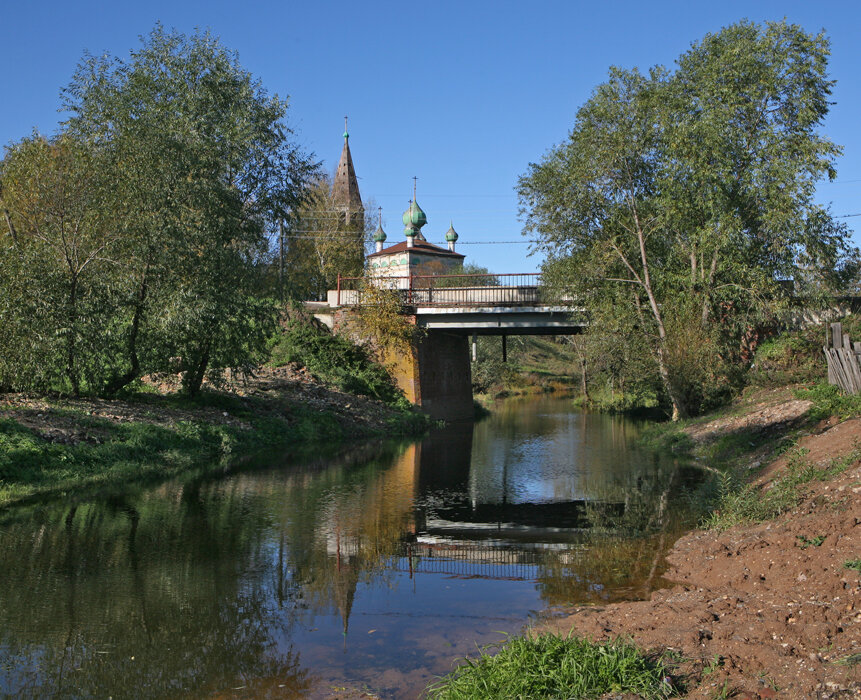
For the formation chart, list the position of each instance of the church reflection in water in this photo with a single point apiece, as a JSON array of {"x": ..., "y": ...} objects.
[{"x": 251, "y": 579}]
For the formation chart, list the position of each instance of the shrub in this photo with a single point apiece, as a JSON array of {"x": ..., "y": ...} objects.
[{"x": 333, "y": 360}]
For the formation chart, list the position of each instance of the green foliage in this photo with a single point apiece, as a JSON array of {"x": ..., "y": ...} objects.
[
  {"x": 549, "y": 666},
  {"x": 322, "y": 245},
  {"x": 681, "y": 200},
  {"x": 381, "y": 317},
  {"x": 854, "y": 564},
  {"x": 489, "y": 372},
  {"x": 335, "y": 360},
  {"x": 56, "y": 290},
  {"x": 829, "y": 401},
  {"x": 740, "y": 504},
  {"x": 805, "y": 542},
  {"x": 789, "y": 358},
  {"x": 480, "y": 276},
  {"x": 140, "y": 234}
]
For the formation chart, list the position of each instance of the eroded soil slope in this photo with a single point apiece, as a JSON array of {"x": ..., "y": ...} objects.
[{"x": 766, "y": 610}]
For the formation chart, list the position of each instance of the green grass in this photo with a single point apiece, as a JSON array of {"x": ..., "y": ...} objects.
[
  {"x": 741, "y": 504},
  {"x": 853, "y": 564},
  {"x": 549, "y": 666},
  {"x": 829, "y": 401},
  {"x": 125, "y": 452}
]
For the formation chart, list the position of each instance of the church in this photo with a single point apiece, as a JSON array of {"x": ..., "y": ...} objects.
[{"x": 413, "y": 256}]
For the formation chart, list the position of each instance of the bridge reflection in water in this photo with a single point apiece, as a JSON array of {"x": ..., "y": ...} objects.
[
  {"x": 347, "y": 565},
  {"x": 478, "y": 560},
  {"x": 486, "y": 504}
]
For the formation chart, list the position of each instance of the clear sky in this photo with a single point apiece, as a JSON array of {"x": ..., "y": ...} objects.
[{"x": 463, "y": 95}]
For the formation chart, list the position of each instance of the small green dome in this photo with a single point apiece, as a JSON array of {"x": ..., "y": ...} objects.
[
  {"x": 410, "y": 230},
  {"x": 379, "y": 235},
  {"x": 451, "y": 234},
  {"x": 346, "y": 135},
  {"x": 415, "y": 216}
]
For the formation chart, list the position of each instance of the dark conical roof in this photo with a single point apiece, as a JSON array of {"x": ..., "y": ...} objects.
[{"x": 345, "y": 189}]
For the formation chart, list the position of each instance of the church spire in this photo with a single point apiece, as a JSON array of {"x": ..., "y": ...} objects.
[{"x": 345, "y": 188}]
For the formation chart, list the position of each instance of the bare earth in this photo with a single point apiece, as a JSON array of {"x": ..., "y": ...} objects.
[{"x": 760, "y": 611}]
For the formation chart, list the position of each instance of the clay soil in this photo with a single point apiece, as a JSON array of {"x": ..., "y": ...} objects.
[{"x": 761, "y": 611}]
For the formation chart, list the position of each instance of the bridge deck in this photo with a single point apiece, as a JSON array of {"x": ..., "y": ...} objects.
[{"x": 510, "y": 304}]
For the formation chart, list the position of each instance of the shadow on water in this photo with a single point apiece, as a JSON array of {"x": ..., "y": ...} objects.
[{"x": 379, "y": 565}]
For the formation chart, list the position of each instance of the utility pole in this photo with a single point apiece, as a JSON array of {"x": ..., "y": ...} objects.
[{"x": 281, "y": 261}]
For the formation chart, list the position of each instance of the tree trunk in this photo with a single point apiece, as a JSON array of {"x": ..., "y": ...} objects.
[
  {"x": 680, "y": 409},
  {"x": 193, "y": 378},
  {"x": 12, "y": 231},
  {"x": 584, "y": 387},
  {"x": 132, "y": 373},
  {"x": 72, "y": 321}
]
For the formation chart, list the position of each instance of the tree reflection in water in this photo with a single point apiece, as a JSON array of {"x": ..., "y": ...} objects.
[{"x": 218, "y": 582}]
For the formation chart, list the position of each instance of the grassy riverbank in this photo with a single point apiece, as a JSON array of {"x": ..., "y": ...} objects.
[{"x": 55, "y": 445}]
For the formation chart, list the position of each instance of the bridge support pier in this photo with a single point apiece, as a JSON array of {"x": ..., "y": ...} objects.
[{"x": 436, "y": 375}]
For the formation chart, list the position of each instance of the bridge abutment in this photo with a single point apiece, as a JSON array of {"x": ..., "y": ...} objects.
[{"x": 436, "y": 375}]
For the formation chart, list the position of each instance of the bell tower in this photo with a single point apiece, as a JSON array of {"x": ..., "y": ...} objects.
[{"x": 345, "y": 189}]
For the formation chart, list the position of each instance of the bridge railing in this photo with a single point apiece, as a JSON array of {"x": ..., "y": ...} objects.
[{"x": 515, "y": 289}]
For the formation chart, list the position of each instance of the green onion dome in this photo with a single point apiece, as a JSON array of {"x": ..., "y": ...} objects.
[
  {"x": 414, "y": 216},
  {"x": 451, "y": 235},
  {"x": 379, "y": 235}
]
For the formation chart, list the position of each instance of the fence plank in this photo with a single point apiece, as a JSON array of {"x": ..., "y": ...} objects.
[{"x": 836, "y": 335}]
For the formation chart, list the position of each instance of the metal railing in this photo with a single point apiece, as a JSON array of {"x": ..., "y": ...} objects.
[
  {"x": 481, "y": 560},
  {"x": 515, "y": 289}
]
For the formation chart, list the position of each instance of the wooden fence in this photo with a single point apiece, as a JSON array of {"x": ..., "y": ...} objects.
[{"x": 844, "y": 360}]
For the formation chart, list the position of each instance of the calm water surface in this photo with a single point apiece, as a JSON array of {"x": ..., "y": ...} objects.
[{"x": 374, "y": 568}]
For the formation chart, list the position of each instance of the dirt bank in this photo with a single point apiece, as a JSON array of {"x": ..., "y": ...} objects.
[
  {"x": 281, "y": 391},
  {"x": 767, "y": 610}
]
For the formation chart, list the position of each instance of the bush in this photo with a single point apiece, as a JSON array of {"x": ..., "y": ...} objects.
[
  {"x": 790, "y": 358},
  {"x": 335, "y": 361}
]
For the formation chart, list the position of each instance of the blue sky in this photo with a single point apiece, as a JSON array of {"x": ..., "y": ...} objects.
[{"x": 462, "y": 95}]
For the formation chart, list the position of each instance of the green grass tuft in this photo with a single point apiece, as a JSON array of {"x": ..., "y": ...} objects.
[
  {"x": 750, "y": 504},
  {"x": 829, "y": 401},
  {"x": 549, "y": 666},
  {"x": 853, "y": 564}
]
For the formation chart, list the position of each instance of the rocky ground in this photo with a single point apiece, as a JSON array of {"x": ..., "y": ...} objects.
[
  {"x": 767, "y": 610},
  {"x": 275, "y": 390}
]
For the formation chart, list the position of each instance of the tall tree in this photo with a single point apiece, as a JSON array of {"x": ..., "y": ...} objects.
[
  {"x": 322, "y": 244},
  {"x": 681, "y": 200},
  {"x": 204, "y": 170},
  {"x": 59, "y": 264}
]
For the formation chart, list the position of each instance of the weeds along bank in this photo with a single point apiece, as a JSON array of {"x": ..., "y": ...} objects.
[{"x": 315, "y": 389}]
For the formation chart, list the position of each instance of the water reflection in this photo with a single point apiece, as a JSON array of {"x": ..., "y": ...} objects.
[{"x": 381, "y": 565}]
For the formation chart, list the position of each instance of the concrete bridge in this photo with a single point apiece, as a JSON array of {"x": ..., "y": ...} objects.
[{"x": 437, "y": 375}]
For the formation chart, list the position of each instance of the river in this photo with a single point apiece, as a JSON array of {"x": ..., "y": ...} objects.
[{"x": 376, "y": 567}]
